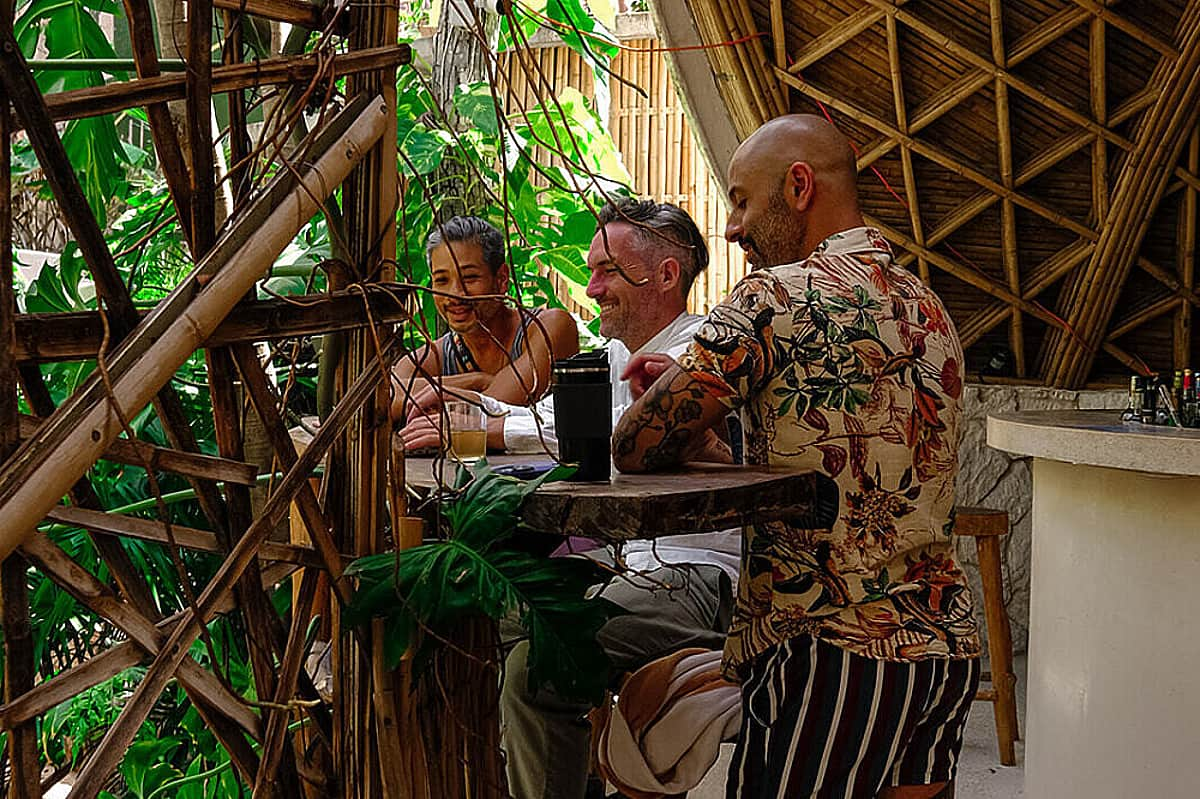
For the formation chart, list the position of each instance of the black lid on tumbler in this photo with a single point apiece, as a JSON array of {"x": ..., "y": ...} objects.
[{"x": 585, "y": 367}]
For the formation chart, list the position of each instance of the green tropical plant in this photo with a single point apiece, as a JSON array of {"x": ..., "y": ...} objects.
[{"x": 473, "y": 571}]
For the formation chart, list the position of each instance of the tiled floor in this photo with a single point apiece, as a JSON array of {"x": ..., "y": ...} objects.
[{"x": 980, "y": 775}]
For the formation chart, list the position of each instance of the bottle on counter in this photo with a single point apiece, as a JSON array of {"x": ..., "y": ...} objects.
[
  {"x": 1149, "y": 406},
  {"x": 1189, "y": 407},
  {"x": 1177, "y": 390},
  {"x": 1133, "y": 412}
]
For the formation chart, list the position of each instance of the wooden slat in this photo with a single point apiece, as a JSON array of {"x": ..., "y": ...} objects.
[
  {"x": 175, "y": 649},
  {"x": 186, "y": 537},
  {"x": 122, "y": 95},
  {"x": 112, "y": 661},
  {"x": 293, "y": 12},
  {"x": 191, "y": 464}
]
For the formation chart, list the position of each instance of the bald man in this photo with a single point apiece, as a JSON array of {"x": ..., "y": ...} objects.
[{"x": 856, "y": 644}]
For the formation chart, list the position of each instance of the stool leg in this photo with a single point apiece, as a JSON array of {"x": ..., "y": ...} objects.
[{"x": 999, "y": 646}]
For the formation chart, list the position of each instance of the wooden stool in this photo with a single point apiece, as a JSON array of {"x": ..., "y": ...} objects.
[{"x": 986, "y": 526}]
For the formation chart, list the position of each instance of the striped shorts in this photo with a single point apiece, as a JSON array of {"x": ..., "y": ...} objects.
[{"x": 819, "y": 722}]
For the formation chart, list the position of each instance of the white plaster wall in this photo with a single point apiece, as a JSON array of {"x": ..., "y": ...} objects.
[{"x": 995, "y": 479}]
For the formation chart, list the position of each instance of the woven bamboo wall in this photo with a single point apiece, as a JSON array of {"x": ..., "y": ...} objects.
[{"x": 655, "y": 141}]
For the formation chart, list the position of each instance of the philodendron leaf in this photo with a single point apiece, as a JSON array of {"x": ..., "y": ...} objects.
[{"x": 437, "y": 585}]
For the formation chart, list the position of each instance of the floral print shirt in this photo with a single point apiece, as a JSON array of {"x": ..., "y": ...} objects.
[{"x": 846, "y": 364}]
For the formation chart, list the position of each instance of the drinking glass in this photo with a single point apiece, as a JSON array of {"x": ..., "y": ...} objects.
[{"x": 468, "y": 431}]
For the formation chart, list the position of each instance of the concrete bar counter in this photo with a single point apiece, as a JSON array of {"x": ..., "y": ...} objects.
[{"x": 1114, "y": 638}]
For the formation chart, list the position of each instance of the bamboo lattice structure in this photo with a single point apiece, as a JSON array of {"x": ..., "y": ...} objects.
[{"x": 1035, "y": 162}]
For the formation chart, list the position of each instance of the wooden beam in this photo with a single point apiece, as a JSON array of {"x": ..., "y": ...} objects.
[
  {"x": 1090, "y": 298},
  {"x": 1148, "y": 313},
  {"x": 293, "y": 12},
  {"x": 45, "y": 338},
  {"x": 186, "y": 537},
  {"x": 121, "y": 733},
  {"x": 1128, "y": 27},
  {"x": 81, "y": 584},
  {"x": 832, "y": 39},
  {"x": 1185, "y": 257},
  {"x": 79, "y": 431},
  {"x": 162, "y": 127},
  {"x": 190, "y": 464},
  {"x": 112, "y": 661},
  {"x": 937, "y": 155},
  {"x": 119, "y": 96}
]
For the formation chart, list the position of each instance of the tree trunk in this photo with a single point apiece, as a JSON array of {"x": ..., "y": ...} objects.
[{"x": 458, "y": 59}]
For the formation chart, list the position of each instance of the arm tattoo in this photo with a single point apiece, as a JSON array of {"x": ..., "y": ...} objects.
[{"x": 660, "y": 422}]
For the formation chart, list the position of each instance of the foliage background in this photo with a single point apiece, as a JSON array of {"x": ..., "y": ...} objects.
[{"x": 545, "y": 208}]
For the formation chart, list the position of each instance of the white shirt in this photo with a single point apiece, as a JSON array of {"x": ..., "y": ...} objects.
[{"x": 722, "y": 549}]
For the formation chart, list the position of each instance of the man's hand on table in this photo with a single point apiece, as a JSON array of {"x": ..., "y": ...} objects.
[{"x": 422, "y": 429}]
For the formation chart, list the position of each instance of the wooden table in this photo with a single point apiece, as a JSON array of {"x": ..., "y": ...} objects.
[{"x": 697, "y": 498}]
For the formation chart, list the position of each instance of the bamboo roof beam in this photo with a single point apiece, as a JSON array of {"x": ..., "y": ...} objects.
[
  {"x": 1008, "y": 217},
  {"x": 937, "y": 155},
  {"x": 910, "y": 179},
  {"x": 1040, "y": 278},
  {"x": 1168, "y": 279},
  {"x": 119, "y": 96},
  {"x": 1141, "y": 316},
  {"x": 964, "y": 273},
  {"x": 1185, "y": 257},
  {"x": 979, "y": 62},
  {"x": 1066, "y": 146},
  {"x": 1090, "y": 299},
  {"x": 950, "y": 95},
  {"x": 106, "y": 665},
  {"x": 1104, "y": 14},
  {"x": 832, "y": 39},
  {"x": 1050, "y": 30}
]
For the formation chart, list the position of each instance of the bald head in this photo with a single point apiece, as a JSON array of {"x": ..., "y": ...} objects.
[
  {"x": 801, "y": 137},
  {"x": 807, "y": 171}
]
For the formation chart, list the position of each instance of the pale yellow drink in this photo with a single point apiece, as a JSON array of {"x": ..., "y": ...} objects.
[
  {"x": 468, "y": 431},
  {"x": 468, "y": 445}
]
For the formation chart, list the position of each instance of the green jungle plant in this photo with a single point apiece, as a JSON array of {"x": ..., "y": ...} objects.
[
  {"x": 546, "y": 210},
  {"x": 471, "y": 569}
]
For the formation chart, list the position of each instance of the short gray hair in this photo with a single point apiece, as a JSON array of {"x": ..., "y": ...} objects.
[
  {"x": 469, "y": 230},
  {"x": 665, "y": 230}
]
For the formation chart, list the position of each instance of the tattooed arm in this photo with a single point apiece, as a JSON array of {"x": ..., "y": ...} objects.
[{"x": 672, "y": 423}]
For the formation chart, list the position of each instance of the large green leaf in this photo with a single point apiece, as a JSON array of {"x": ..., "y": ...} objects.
[{"x": 438, "y": 584}]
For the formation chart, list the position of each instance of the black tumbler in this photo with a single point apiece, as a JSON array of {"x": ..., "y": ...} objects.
[{"x": 583, "y": 414}]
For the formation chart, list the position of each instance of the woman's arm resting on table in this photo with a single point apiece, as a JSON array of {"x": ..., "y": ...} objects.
[
  {"x": 672, "y": 423},
  {"x": 530, "y": 373}
]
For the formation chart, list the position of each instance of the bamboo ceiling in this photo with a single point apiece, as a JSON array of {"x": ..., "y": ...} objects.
[{"x": 1036, "y": 162}]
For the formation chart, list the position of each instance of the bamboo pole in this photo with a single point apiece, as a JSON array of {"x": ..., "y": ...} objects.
[
  {"x": 1149, "y": 313},
  {"x": 19, "y": 668},
  {"x": 78, "y": 678},
  {"x": 939, "y": 156},
  {"x": 910, "y": 177},
  {"x": 832, "y": 39},
  {"x": 79, "y": 432},
  {"x": 176, "y": 647},
  {"x": 1126, "y": 26},
  {"x": 1090, "y": 299},
  {"x": 1189, "y": 209}
]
